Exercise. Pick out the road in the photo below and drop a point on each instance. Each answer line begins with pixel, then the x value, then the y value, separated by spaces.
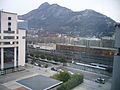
pixel 88 75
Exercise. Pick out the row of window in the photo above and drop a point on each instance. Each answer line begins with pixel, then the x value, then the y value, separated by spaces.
pixel 9 24
pixel 12 37
pixel 7 43
pixel 84 49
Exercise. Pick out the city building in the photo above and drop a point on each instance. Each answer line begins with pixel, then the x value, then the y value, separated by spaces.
pixel 116 65
pixel 12 43
pixel 87 54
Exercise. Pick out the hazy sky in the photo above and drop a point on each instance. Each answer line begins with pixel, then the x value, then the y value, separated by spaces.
pixel 111 8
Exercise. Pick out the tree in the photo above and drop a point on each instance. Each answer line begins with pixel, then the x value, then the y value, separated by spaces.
pixel 64 61
pixel 32 62
pixel 62 76
pixel 109 69
pixel 42 56
pixel 31 54
pixel 49 58
pixel 46 65
pixel 37 56
pixel 55 59
pixel 74 81
pixel 39 65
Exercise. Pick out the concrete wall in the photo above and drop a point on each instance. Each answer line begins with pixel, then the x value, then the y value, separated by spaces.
pixel 4 21
pixel 21 48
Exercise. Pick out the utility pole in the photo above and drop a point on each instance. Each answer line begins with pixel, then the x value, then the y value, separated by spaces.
pixel 116 65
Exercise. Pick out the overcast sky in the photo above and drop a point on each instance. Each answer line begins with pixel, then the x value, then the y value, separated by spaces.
pixel 111 8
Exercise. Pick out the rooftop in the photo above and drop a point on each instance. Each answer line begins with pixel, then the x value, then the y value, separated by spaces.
pixel 39 82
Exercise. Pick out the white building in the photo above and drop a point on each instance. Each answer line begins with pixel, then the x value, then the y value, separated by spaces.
pixel 12 43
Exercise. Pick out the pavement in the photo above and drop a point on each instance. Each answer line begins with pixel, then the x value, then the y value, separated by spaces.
pixel 91 85
pixel 87 75
pixel 8 82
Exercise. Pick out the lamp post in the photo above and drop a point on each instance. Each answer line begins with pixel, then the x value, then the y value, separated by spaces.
pixel 116 65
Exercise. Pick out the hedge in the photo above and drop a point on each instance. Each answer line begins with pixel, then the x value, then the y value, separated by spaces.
pixel 62 76
pixel 74 81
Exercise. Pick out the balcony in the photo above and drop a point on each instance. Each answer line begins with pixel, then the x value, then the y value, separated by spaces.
pixel 8 45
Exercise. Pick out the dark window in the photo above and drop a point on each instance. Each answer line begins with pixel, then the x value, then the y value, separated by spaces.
pixel 17 37
pixel 23 37
pixel 9 23
pixel 9 29
pixel 6 43
pixel 9 18
pixel 13 43
pixel 8 37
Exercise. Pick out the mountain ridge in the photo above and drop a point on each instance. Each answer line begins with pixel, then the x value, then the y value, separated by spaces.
pixel 57 19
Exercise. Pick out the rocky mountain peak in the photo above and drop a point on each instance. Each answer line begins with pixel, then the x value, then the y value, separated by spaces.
pixel 44 5
pixel 57 19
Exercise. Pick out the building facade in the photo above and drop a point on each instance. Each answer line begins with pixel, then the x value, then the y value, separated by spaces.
pixel 116 65
pixel 12 43
pixel 89 54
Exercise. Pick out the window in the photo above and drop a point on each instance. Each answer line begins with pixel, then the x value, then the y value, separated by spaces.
pixel 6 43
pixel 8 37
pixel 9 23
pixel 9 29
pixel 9 18
pixel 23 37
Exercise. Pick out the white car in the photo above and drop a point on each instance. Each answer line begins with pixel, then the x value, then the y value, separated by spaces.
pixel 100 80
pixel 70 72
pixel 60 70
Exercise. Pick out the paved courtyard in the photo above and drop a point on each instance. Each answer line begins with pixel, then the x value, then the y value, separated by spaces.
pixel 91 85
pixel 8 82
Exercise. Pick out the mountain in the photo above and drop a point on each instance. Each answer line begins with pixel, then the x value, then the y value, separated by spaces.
pixel 57 19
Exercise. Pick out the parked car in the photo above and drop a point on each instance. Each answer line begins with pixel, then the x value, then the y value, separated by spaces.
pixel 60 70
pixel 54 69
pixel 70 72
pixel 100 80
pixel 36 64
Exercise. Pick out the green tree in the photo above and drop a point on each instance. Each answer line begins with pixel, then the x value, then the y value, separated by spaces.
pixel 74 81
pixel 39 65
pixel 55 59
pixel 37 56
pixel 43 56
pixel 62 76
pixel 64 61
pixel 32 62
pixel 46 65
pixel 31 54
pixel 109 69
pixel 49 58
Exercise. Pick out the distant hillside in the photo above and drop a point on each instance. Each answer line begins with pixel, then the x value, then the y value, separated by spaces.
pixel 56 19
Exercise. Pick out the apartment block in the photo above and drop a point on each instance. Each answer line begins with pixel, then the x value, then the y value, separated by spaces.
pixel 12 43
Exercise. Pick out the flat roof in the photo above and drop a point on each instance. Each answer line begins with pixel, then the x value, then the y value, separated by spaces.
pixel 89 46
pixel 39 82
pixel 7 12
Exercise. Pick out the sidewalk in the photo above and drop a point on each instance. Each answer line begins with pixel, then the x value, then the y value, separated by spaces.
pixel 91 85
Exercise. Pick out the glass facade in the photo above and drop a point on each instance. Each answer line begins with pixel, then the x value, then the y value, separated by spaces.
pixel 8 57
pixel 0 21
pixel 0 58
